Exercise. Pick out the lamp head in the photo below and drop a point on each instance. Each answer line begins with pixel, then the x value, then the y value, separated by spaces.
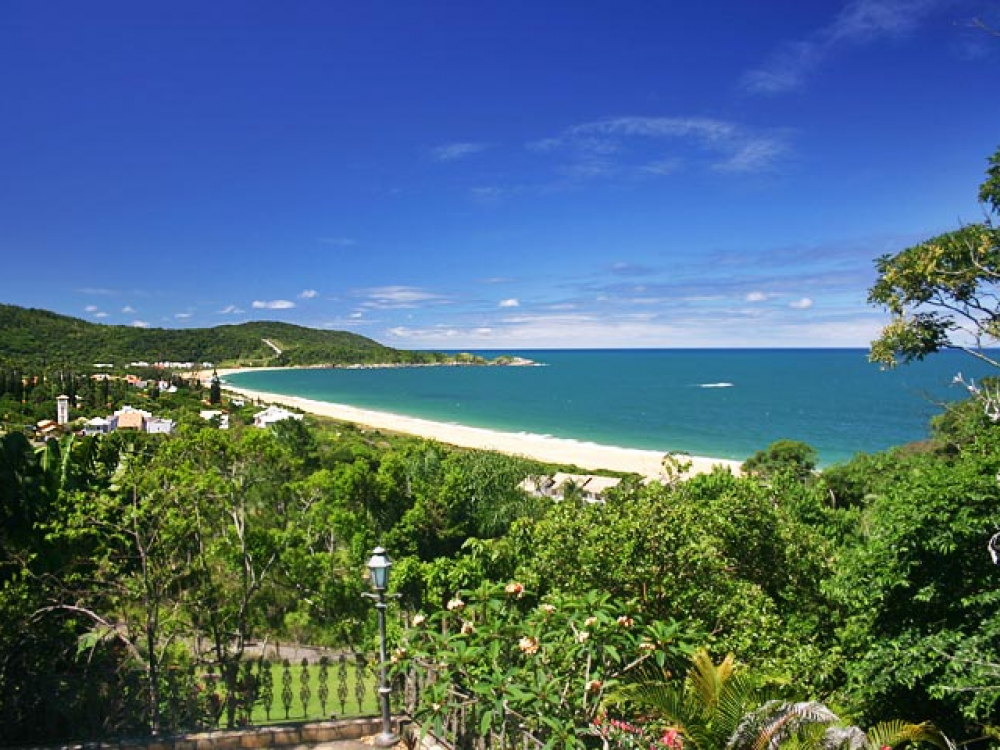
pixel 378 568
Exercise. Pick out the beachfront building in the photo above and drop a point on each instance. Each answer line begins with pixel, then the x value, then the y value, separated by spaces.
pixel 129 418
pixel 591 488
pixel 273 414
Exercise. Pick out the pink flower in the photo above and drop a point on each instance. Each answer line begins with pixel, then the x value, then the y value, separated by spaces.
pixel 672 738
pixel 514 589
pixel 528 645
pixel 547 609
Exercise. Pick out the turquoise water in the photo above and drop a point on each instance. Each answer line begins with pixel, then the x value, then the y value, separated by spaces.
pixel 719 403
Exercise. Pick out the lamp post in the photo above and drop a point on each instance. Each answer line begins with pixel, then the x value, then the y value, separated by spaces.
pixel 378 568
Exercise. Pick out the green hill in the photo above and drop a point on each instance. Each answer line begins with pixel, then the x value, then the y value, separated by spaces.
pixel 31 338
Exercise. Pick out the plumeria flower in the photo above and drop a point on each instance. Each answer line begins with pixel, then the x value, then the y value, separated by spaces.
pixel 590 622
pixel 468 627
pixel 548 609
pixel 418 620
pixel 514 589
pixel 625 621
pixel 582 637
pixel 454 604
pixel 594 685
pixel 647 646
pixel 528 645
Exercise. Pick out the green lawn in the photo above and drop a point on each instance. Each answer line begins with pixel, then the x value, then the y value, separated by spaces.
pixel 336 683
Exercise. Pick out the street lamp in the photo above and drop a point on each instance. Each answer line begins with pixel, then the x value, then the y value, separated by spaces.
pixel 378 569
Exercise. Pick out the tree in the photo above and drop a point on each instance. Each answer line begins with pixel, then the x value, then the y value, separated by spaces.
pixel 215 390
pixel 943 292
pixel 791 457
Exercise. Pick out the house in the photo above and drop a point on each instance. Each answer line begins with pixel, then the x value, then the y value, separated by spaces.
pixel 273 414
pixel 128 418
pixel 160 426
pixel 209 414
pixel 47 428
pixel 97 426
pixel 591 488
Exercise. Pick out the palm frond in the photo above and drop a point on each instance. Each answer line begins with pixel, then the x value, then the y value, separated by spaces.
pixel 896 732
pixel 776 722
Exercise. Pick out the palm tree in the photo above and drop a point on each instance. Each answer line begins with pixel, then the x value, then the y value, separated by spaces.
pixel 706 708
pixel 716 707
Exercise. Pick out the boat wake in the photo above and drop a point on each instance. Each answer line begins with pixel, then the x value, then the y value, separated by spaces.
pixel 715 385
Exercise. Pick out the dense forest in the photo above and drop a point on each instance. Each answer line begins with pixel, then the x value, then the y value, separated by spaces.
pixel 38 338
pixel 854 608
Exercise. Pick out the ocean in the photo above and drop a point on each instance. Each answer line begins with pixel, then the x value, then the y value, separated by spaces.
pixel 717 403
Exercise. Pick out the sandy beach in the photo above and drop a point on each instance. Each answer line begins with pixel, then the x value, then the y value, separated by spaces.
pixel 590 456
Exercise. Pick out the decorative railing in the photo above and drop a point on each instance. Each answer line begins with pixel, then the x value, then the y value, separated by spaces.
pixel 99 704
pixel 457 726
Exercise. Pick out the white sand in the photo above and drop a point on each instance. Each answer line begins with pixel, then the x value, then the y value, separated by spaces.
pixel 591 456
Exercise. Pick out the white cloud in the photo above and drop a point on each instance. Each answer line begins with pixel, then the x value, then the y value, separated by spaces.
pixel 455 151
pixel 801 304
pixel 509 303
pixel 308 293
pixel 140 324
pixel 230 310
pixel 859 22
pixel 90 308
pixel 756 297
pixel 599 146
pixel 128 309
pixel 182 316
pixel 100 315
pixel 274 304
pixel 356 315
pixel 399 297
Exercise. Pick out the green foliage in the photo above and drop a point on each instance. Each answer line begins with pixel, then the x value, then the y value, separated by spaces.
pixel 509 660
pixel 919 590
pixel 790 457
pixel 941 293
pixel 35 338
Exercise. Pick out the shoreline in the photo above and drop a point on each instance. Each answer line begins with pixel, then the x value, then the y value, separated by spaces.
pixel 545 448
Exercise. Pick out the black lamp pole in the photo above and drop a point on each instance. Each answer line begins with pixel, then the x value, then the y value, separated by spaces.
pixel 378 567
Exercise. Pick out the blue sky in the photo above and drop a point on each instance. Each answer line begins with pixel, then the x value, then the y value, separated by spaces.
pixel 488 175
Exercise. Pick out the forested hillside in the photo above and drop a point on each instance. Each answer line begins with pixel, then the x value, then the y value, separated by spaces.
pixel 30 338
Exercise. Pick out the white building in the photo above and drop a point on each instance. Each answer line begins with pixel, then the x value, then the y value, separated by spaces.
pixel 97 426
pixel 62 409
pixel 273 414
pixel 160 426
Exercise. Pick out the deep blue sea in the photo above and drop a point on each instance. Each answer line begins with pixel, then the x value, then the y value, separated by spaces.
pixel 719 403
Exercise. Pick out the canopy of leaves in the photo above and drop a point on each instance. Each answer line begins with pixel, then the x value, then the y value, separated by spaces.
pixel 943 293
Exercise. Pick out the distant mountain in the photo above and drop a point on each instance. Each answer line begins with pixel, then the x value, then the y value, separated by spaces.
pixel 31 338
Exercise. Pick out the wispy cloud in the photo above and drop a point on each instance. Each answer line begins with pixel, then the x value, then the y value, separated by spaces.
pixel 509 303
pixel 230 310
pixel 274 304
pixel 756 297
pixel 633 147
pixel 398 297
pixel 183 315
pixel 128 309
pixel 455 151
pixel 91 309
pixel 100 315
pixel 139 324
pixel 308 294
pixel 801 304
pixel 338 241
pixel 859 22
